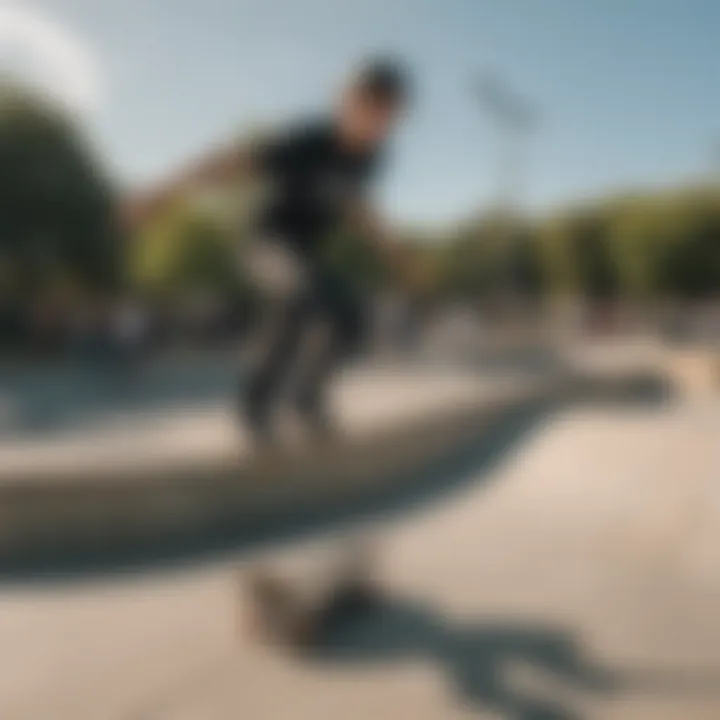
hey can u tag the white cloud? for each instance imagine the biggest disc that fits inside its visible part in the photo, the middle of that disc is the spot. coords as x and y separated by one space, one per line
47 55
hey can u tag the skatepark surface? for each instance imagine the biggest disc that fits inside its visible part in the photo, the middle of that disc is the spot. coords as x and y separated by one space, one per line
577 578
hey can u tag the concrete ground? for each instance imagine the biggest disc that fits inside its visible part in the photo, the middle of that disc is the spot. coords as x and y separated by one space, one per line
577 580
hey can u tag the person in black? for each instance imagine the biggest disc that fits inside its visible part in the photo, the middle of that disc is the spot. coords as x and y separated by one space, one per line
317 174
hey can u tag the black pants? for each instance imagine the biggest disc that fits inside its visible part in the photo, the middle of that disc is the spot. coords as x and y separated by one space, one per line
323 315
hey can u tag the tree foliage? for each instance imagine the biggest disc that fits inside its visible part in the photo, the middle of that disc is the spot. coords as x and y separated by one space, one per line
56 206
186 249
656 245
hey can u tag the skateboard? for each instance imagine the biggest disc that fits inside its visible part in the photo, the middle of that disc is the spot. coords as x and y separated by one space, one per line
292 601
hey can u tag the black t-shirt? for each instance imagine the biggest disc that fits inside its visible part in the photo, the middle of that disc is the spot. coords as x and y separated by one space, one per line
312 181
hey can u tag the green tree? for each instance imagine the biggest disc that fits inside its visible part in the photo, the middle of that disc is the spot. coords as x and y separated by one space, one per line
56 205
475 259
184 250
689 261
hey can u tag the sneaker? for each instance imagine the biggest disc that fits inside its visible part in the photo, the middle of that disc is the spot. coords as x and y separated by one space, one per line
317 424
258 427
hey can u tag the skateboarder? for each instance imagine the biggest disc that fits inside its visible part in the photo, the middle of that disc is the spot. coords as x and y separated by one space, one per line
318 172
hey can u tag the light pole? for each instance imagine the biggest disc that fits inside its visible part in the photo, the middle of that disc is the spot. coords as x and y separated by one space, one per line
512 119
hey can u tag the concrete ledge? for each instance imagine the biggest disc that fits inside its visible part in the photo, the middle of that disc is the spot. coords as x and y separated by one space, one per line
69 513
51 506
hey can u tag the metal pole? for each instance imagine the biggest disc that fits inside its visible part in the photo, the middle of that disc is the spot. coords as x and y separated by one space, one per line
512 119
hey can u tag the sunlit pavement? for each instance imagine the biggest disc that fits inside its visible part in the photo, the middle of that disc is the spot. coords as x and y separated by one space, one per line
579 579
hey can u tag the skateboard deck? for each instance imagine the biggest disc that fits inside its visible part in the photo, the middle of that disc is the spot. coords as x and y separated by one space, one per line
292 600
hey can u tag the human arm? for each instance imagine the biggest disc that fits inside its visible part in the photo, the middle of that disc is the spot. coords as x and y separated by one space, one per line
222 165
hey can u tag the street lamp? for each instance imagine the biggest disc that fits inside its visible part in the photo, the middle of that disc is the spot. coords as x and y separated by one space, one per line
513 119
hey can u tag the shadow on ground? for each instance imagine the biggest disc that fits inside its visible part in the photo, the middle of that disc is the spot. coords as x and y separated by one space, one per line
518 671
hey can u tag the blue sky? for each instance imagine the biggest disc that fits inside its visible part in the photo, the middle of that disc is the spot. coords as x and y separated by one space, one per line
624 89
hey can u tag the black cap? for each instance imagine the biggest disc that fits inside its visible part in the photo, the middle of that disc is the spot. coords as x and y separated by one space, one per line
385 80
